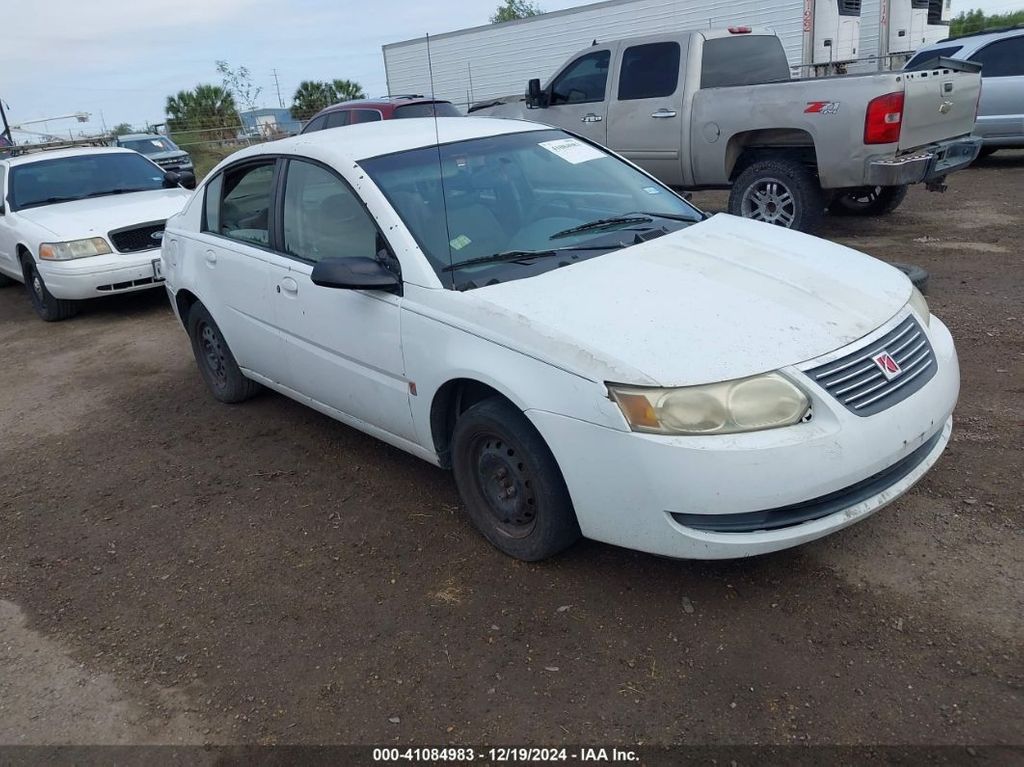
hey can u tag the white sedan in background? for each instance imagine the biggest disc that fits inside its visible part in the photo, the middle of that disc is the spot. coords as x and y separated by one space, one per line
82 223
587 352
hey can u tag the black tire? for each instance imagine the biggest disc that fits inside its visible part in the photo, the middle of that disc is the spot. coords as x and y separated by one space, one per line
6 281
49 308
216 362
869 201
917 275
510 482
779 191
986 151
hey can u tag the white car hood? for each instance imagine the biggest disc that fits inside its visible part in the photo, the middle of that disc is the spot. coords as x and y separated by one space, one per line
98 215
722 299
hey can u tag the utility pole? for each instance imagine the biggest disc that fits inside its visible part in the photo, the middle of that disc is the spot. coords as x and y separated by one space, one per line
277 84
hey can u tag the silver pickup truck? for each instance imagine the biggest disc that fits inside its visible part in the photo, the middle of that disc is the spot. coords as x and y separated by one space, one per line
717 109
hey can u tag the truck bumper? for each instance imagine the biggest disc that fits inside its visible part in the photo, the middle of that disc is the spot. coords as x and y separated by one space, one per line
932 164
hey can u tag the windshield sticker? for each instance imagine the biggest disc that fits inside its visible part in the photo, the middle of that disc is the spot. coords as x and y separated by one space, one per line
156 142
652 190
460 242
571 150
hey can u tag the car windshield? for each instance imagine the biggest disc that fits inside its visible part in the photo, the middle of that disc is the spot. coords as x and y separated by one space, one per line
153 145
63 179
440 108
516 205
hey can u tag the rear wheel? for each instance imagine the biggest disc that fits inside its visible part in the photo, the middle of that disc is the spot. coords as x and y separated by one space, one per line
779 191
868 201
216 362
510 482
49 308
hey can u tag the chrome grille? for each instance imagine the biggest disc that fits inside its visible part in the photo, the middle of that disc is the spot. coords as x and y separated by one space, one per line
136 238
859 383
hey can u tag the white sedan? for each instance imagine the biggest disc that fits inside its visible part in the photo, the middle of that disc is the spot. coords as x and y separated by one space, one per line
83 223
589 353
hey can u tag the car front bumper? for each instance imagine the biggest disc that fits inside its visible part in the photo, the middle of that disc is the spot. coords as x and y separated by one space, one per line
97 276
681 496
932 164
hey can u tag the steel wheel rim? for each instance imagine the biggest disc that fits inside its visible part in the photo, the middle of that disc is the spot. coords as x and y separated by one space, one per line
503 482
214 355
771 201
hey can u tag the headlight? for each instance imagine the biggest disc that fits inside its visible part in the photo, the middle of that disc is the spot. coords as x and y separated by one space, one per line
920 305
65 251
746 404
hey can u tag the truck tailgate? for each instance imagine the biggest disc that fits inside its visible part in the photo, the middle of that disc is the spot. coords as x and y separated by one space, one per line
938 104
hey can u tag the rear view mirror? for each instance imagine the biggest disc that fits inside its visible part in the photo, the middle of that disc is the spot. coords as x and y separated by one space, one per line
534 95
355 273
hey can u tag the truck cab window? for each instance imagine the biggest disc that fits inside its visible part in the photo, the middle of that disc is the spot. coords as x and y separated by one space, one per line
649 71
583 81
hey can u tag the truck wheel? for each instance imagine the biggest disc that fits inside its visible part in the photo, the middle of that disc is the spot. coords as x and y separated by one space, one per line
510 482
49 308
869 201
779 191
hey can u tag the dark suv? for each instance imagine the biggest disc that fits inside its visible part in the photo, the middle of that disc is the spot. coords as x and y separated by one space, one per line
371 110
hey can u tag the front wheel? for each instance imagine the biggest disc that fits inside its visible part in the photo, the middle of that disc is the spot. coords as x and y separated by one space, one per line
510 482
779 191
47 306
869 201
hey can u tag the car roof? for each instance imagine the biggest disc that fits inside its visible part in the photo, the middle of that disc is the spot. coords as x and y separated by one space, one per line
383 101
365 140
134 136
973 41
58 154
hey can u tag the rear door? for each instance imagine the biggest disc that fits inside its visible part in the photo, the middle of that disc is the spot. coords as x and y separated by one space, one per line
1001 113
645 113
577 96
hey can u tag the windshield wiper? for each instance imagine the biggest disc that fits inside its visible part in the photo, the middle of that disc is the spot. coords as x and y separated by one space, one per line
516 255
115 191
602 223
673 217
47 201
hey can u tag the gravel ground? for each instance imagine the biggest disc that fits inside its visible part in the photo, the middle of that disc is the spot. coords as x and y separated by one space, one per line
179 571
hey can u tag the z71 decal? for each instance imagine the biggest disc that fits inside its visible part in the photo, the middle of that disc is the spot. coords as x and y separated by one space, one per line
822 107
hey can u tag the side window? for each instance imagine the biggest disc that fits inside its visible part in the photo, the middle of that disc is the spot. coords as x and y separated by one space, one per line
1003 58
317 123
365 116
338 119
583 81
649 71
243 194
322 216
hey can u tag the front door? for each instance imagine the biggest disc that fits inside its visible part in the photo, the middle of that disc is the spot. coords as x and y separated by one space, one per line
577 97
645 122
343 347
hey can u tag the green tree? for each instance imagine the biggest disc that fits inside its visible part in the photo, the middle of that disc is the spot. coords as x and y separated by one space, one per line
310 97
511 10
209 111
976 20
122 128
347 90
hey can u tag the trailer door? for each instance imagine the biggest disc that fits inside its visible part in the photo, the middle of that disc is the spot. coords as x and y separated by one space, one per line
645 122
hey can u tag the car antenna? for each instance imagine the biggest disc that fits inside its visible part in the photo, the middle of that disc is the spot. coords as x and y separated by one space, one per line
440 165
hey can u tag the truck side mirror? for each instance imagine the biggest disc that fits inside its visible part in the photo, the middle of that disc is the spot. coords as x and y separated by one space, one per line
534 96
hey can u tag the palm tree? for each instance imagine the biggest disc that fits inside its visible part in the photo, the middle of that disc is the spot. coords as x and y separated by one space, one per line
205 108
347 90
310 97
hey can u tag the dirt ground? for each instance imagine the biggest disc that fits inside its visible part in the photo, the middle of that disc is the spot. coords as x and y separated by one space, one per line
174 570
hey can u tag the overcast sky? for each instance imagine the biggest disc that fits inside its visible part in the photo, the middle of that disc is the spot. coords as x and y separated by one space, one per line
119 61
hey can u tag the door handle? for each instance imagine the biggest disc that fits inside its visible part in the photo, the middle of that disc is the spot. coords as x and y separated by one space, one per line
289 286
211 258
590 117
663 113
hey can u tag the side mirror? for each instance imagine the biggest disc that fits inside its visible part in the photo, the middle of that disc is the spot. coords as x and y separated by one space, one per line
535 97
171 179
185 178
355 273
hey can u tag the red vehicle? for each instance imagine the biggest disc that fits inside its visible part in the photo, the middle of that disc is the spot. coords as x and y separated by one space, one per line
371 110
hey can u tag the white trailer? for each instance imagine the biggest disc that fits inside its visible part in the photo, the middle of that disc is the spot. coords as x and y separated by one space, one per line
475 65
891 30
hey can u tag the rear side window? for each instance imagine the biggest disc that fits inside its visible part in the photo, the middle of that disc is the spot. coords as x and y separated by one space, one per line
649 71
337 119
923 57
440 108
317 123
583 81
748 60
238 203
364 116
1003 58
